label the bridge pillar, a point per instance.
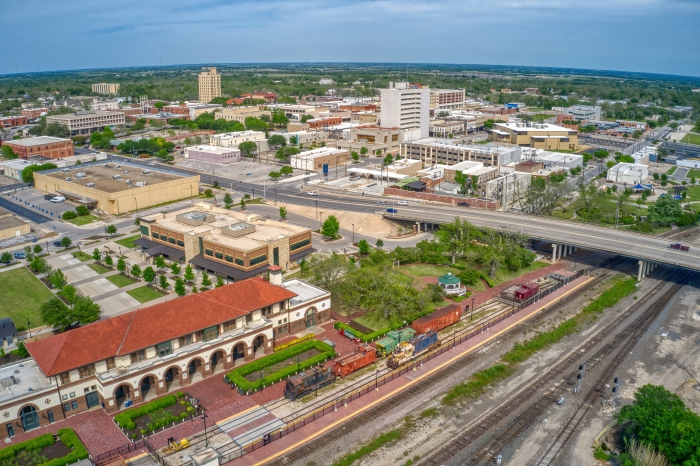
(641, 269)
(554, 253)
(417, 227)
(564, 250)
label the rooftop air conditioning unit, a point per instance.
(127, 181)
(116, 177)
(139, 184)
(146, 172)
(68, 178)
(80, 175)
(90, 185)
(126, 172)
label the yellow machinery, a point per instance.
(175, 446)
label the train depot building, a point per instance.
(143, 354)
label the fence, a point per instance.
(123, 450)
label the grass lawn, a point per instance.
(692, 194)
(99, 268)
(121, 280)
(672, 170)
(691, 138)
(144, 294)
(84, 220)
(693, 173)
(504, 275)
(82, 256)
(22, 294)
(128, 242)
(427, 270)
(559, 213)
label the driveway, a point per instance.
(680, 174)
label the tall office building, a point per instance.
(106, 88)
(407, 107)
(209, 85)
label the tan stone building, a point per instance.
(224, 242)
(538, 135)
(240, 113)
(117, 188)
(88, 121)
(11, 226)
(209, 85)
(432, 151)
(314, 160)
(106, 88)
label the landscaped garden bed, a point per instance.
(145, 293)
(82, 256)
(279, 365)
(157, 415)
(99, 268)
(121, 280)
(45, 450)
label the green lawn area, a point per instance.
(84, 220)
(427, 270)
(121, 280)
(128, 242)
(99, 268)
(693, 193)
(144, 294)
(559, 213)
(503, 275)
(22, 294)
(540, 117)
(672, 170)
(693, 173)
(82, 256)
(691, 138)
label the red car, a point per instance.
(679, 246)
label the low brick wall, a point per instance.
(434, 197)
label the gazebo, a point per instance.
(452, 285)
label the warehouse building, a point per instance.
(11, 226)
(212, 154)
(628, 173)
(538, 135)
(314, 160)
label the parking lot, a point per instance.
(238, 171)
(33, 199)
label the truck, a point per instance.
(387, 344)
(679, 246)
(307, 381)
(408, 350)
(363, 356)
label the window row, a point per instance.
(300, 244)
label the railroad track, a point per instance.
(546, 384)
(369, 416)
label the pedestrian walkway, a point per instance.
(249, 425)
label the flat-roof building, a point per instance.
(11, 227)
(583, 112)
(13, 121)
(443, 99)
(212, 154)
(240, 113)
(559, 159)
(432, 151)
(44, 146)
(408, 108)
(13, 168)
(314, 160)
(117, 188)
(232, 140)
(88, 121)
(628, 173)
(106, 88)
(539, 135)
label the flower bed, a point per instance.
(152, 416)
(293, 342)
(43, 445)
(367, 337)
(237, 376)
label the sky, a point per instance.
(657, 36)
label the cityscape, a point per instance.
(350, 262)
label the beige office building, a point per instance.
(232, 140)
(87, 121)
(11, 226)
(117, 188)
(538, 135)
(240, 113)
(314, 160)
(433, 151)
(106, 88)
(209, 85)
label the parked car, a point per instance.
(58, 199)
(57, 243)
(312, 193)
(381, 202)
(48, 197)
(679, 246)
(391, 210)
(402, 203)
(19, 255)
(152, 164)
(463, 204)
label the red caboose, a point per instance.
(528, 290)
(363, 356)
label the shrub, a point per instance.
(34, 444)
(82, 210)
(469, 277)
(134, 436)
(131, 425)
(294, 342)
(183, 415)
(126, 418)
(71, 440)
(70, 215)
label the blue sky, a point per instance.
(660, 36)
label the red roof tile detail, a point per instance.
(151, 325)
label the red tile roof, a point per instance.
(151, 325)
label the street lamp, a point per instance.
(376, 380)
(471, 312)
(206, 436)
(353, 233)
(316, 209)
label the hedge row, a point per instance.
(367, 337)
(34, 444)
(127, 417)
(71, 440)
(237, 376)
(293, 342)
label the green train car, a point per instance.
(387, 344)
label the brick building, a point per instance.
(34, 113)
(44, 146)
(12, 121)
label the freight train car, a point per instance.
(528, 290)
(387, 344)
(408, 350)
(307, 381)
(363, 356)
(438, 319)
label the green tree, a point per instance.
(164, 284)
(70, 293)
(38, 264)
(228, 200)
(286, 170)
(28, 172)
(601, 154)
(111, 229)
(108, 260)
(121, 265)
(388, 160)
(665, 210)
(355, 156)
(8, 152)
(149, 275)
(56, 314)
(283, 213)
(206, 282)
(136, 271)
(139, 125)
(248, 148)
(363, 150)
(279, 118)
(96, 254)
(160, 105)
(379, 243)
(85, 310)
(330, 227)
(276, 142)
(243, 203)
(255, 124)
(219, 282)
(274, 175)
(305, 118)
(180, 287)
(189, 274)
(175, 268)
(38, 249)
(364, 247)
(57, 279)
(159, 262)
(284, 153)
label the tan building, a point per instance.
(11, 226)
(240, 113)
(470, 170)
(87, 121)
(209, 85)
(433, 151)
(314, 160)
(232, 140)
(372, 137)
(224, 242)
(444, 99)
(117, 188)
(447, 128)
(103, 105)
(539, 135)
(106, 88)
(44, 146)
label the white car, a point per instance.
(312, 193)
(58, 199)
(152, 164)
(402, 203)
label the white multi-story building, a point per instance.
(406, 108)
(106, 88)
(103, 105)
(229, 140)
(583, 112)
(87, 121)
(628, 173)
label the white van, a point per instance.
(58, 199)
